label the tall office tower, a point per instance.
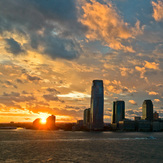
(97, 105)
(113, 113)
(118, 112)
(86, 117)
(147, 110)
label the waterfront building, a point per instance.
(50, 122)
(137, 118)
(80, 123)
(155, 116)
(156, 126)
(97, 104)
(144, 125)
(127, 125)
(86, 117)
(118, 111)
(147, 110)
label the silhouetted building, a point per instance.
(156, 126)
(38, 125)
(118, 112)
(137, 118)
(155, 116)
(86, 117)
(97, 104)
(50, 122)
(127, 125)
(80, 123)
(144, 125)
(147, 110)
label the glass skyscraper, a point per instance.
(97, 105)
(147, 110)
(118, 112)
(86, 117)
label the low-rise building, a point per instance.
(126, 125)
(156, 126)
(144, 125)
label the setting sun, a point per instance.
(43, 120)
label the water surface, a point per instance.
(30, 146)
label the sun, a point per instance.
(43, 120)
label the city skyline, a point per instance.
(51, 51)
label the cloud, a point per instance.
(11, 99)
(52, 90)
(147, 66)
(15, 94)
(133, 113)
(75, 94)
(48, 27)
(132, 102)
(68, 107)
(152, 93)
(151, 65)
(24, 92)
(31, 78)
(125, 71)
(51, 97)
(106, 25)
(8, 83)
(158, 10)
(157, 100)
(116, 87)
(19, 81)
(13, 46)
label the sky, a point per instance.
(52, 50)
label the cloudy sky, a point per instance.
(51, 50)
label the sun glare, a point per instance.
(43, 120)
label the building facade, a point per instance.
(147, 110)
(97, 105)
(155, 116)
(87, 117)
(118, 112)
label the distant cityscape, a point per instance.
(93, 117)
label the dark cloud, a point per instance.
(51, 24)
(51, 97)
(33, 78)
(19, 81)
(24, 92)
(9, 83)
(15, 94)
(11, 99)
(13, 46)
(68, 107)
(57, 47)
(52, 90)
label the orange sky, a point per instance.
(48, 58)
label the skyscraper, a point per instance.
(86, 117)
(97, 105)
(147, 110)
(118, 112)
